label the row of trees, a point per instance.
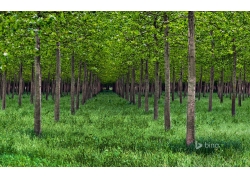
(77, 51)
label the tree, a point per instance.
(167, 77)
(37, 116)
(58, 83)
(190, 135)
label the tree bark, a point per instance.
(190, 135)
(132, 88)
(37, 120)
(147, 86)
(234, 78)
(211, 88)
(156, 93)
(167, 122)
(173, 84)
(58, 82)
(4, 90)
(180, 85)
(20, 84)
(78, 86)
(240, 90)
(127, 86)
(13, 87)
(140, 85)
(200, 84)
(84, 85)
(72, 89)
(222, 85)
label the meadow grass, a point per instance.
(109, 131)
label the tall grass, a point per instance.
(109, 131)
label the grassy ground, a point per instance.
(108, 131)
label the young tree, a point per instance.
(37, 116)
(190, 133)
(58, 82)
(167, 77)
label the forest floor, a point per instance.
(108, 131)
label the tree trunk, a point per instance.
(53, 89)
(37, 120)
(48, 86)
(147, 86)
(58, 82)
(180, 85)
(156, 93)
(78, 86)
(84, 86)
(222, 85)
(20, 84)
(200, 84)
(122, 87)
(211, 88)
(240, 90)
(173, 84)
(140, 85)
(244, 82)
(4, 90)
(234, 78)
(167, 122)
(91, 85)
(127, 86)
(190, 136)
(72, 89)
(13, 88)
(132, 88)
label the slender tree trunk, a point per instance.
(8, 87)
(132, 88)
(48, 87)
(244, 82)
(222, 85)
(190, 136)
(72, 89)
(53, 89)
(84, 86)
(90, 84)
(211, 88)
(234, 78)
(32, 83)
(123, 87)
(127, 87)
(156, 93)
(180, 85)
(173, 86)
(140, 85)
(20, 84)
(200, 85)
(58, 83)
(38, 93)
(78, 86)
(147, 86)
(167, 122)
(240, 90)
(13, 88)
(4, 90)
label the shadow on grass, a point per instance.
(206, 146)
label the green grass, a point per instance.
(109, 131)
